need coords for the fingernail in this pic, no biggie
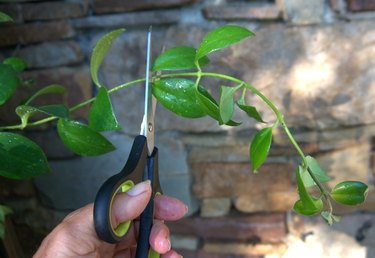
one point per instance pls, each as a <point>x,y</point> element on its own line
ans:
<point>139,188</point>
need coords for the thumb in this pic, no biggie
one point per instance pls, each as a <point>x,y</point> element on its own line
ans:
<point>129,205</point>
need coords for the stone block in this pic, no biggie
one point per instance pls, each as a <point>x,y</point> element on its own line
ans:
<point>236,179</point>
<point>34,32</point>
<point>54,10</point>
<point>242,12</point>
<point>245,248</point>
<point>115,6</point>
<point>76,81</point>
<point>255,228</point>
<point>361,5</point>
<point>215,207</point>
<point>184,242</point>
<point>50,54</point>
<point>144,18</point>
<point>303,13</point>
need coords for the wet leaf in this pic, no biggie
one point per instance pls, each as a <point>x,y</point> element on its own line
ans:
<point>220,38</point>
<point>25,112</point>
<point>178,95</point>
<point>350,192</point>
<point>101,116</point>
<point>99,52</point>
<point>8,82</point>
<point>178,58</point>
<point>20,158</point>
<point>16,63</point>
<point>81,139</point>
<point>5,18</point>
<point>260,147</point>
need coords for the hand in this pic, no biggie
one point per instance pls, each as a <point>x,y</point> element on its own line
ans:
<point>75,236</point>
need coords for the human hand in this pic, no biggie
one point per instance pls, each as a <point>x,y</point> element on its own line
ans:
<point>75,236</point>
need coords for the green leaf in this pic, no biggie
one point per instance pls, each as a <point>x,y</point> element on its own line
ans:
<point>226,106</point>
<point>18,64</point>
<point>53,88</point>
<point>20,158</point>
<point>260,147</point>
<point>319,173</point>
<point>8,82</point>
<point>4,17</point>
<point>306,205</point>
<point>99,52</point>
<point>350,192</point>
<point>178,58</point>
<point>178,95</point>
<point>81,139</point>
<point>250,111</point>
<point>101,116</point>
<point>329,217</point>
<point>210,106</point>
<point>220,38</point>
<point>25,112</point>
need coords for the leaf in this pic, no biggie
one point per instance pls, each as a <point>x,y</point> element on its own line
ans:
<point>4,210</point>
<point>319,173</point>
<point>210,106</point>
<point>260,147</point>
<point>81,139</point>
<point>20,158</point>
<point>4,17</point>
<point>329,217</point>
<point>53,88</point>
<point>101,116</point>
<point>99,52</point>
<point>25,112</point>
<point>306,205</point>
<point>350,192</point>
<point>178,58</point>
<point>250,111</point>
<point>178,95</point>
<point>8,82</point>
<point>16,63</point>
<point>226,106</point>
<point>220,38</point>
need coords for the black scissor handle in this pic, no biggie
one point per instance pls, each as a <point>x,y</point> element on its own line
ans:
<point>133,170</point>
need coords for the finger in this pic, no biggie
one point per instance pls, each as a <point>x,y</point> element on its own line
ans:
<point>169,208</point>
<point>129,205</point>
<point>171,254</point>
<point>159,238</point>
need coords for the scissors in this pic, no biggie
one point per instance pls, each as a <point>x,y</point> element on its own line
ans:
<point>142,164</point>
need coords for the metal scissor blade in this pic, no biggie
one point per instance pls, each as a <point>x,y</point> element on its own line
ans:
<point>147,128</point>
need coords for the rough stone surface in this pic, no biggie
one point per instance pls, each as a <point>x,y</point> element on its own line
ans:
<point>302,12</point>
<point>245,248</point>
<point>49,54</point>
<point>215,207</point>
<point>34,32</point>
<point>268,12</point>
<point>266,228</point>
<point>54,10</point>
<point>184,242</point>
<point>203,254</point>
<point>233,179</point>
<point>105,6</point>
<point>361,5</point>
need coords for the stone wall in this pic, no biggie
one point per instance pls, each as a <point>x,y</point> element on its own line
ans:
<point>314,59</point>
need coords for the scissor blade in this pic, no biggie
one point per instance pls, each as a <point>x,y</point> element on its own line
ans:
<point>147,128</point>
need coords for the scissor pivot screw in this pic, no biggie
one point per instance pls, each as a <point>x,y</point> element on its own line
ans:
<point>150,127</point>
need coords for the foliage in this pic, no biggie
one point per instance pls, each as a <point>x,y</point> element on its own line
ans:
<point>183,96</point>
